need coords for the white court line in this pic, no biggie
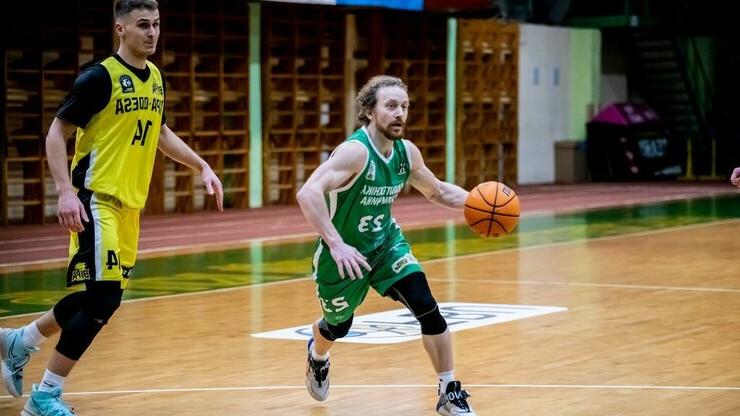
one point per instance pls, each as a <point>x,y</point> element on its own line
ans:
<point>604,285</point>
<point>396,386</point>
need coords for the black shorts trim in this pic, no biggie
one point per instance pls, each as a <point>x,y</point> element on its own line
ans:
<point>81,267</point>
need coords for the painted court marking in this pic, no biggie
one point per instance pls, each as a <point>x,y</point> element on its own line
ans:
<point>399,325</point>
<point>586,284</point>
<point>731,389</point>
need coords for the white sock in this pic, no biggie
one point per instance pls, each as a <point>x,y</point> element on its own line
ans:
<point>444,379</point>
<point>316,356</point>
<point>51,381</point>
<point>31,335</point>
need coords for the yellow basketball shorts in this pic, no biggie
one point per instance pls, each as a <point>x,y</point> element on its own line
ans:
<point>106,249</point>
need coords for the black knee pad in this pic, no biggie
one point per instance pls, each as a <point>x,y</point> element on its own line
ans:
<point>334,332</point>
<point>432,323</point>
<point>78,334</point>
<point>413,291</point>
<point>69,306</point>
<point>103,298</point>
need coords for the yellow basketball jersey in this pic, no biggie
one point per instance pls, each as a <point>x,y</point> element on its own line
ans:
<point>114,153</point>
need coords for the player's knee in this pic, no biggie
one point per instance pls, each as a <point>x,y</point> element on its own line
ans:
<point>69,306</point>
<point>104,300</point>
<point>414,292</point>
<point>432,323</point>
<point>104,308</point>
<point>78,334</point>
<point>334,332</point>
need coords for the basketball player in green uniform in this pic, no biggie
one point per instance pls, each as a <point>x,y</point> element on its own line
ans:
<point>348,201</point>
<point>117,109</point>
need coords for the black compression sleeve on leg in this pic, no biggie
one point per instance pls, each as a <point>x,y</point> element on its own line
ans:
<point>69,306</point>
<point>105,298</point>
<point>334,332</point>
<point>414,292</point>
<point>78,333</point>
<point>433,323</point>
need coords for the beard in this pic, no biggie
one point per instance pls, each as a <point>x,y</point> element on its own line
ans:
<point>386,131</point>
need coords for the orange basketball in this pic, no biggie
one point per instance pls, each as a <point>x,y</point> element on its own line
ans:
<point>492,209</point>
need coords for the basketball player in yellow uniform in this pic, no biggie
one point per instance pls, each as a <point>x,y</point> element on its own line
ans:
<point>117,110</point>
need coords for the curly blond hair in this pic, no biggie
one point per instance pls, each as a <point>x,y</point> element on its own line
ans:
<point>368,95</point>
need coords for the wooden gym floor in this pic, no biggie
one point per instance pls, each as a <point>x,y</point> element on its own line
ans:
<point>648,274</point>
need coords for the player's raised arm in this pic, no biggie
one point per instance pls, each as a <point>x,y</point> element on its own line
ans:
<point>440,192</point>
<point>347,161</point>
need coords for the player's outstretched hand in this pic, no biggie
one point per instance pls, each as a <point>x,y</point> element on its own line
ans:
<point>71,212</point>
<point>213,186</point>
<point>735,178</point>
<point>349,260</point>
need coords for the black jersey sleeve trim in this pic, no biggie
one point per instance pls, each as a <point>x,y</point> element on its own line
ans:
<point>89,95</point>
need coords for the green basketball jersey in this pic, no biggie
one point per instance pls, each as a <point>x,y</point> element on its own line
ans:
<point>361,210</point>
